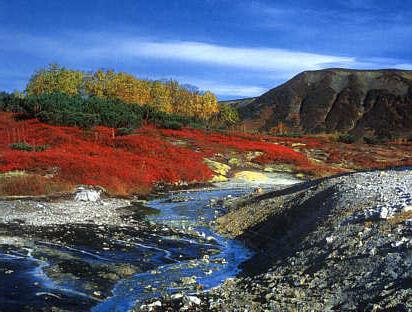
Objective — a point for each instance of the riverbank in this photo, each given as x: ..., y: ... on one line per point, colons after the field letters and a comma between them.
x: 67, y: 255
x: 82, y: 252
x: 340, y: 243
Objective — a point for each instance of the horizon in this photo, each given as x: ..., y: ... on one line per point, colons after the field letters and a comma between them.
x: 234, y: 49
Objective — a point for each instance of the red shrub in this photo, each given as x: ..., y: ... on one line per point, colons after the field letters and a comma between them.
x: 211, y: 143
x: 120, y: 164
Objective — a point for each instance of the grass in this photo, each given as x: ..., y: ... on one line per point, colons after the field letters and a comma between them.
x: 30, y: 185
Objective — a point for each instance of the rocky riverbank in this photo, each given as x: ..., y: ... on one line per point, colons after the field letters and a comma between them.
x: 338, y: 244
x: 68, y: 254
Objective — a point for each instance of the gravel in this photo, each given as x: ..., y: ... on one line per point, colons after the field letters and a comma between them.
x: 43, y: 213
x: 338, y: 244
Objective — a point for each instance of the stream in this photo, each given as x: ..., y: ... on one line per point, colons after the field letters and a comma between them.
x: 98, y: 267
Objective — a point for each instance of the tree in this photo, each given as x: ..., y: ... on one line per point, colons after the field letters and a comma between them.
x: 169, y: 97
x: 55, y: 79
x: 228, y: 115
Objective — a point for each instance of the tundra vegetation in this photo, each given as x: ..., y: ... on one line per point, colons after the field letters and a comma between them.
x: 129, y: 135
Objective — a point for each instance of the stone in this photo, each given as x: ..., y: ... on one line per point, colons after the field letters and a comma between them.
x: 176, y: 296
x: 188, y: 280
x: 192, y: 300
x: 87, y: 195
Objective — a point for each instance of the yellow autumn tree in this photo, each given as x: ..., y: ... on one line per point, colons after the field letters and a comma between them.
x: 161, y: 97
x: 169, y: 96
x: 55, y: 79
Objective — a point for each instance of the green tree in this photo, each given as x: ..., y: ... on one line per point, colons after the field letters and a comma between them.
x: 228, y: 115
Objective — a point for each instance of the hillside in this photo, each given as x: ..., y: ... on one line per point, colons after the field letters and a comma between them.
x: 53, y: 138
x: 238, y: 102
x: 362, y: 102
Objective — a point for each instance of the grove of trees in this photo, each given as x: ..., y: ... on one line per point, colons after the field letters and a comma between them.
x: 166, y: 96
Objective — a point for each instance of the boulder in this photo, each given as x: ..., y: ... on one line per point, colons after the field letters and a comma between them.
x: 87, y: 195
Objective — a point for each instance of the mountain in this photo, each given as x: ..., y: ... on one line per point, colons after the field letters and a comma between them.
x: 238, y: 102
x: 361, y: 102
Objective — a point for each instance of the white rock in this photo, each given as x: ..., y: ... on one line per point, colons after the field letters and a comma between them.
x: 87, y: 195
x: 176, y: 296
x: 192, y: 300
x: 155, y: 304
x: 210, y: 239
x: 384, y: 213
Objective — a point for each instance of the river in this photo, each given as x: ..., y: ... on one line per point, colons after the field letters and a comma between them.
x: 83, y: 267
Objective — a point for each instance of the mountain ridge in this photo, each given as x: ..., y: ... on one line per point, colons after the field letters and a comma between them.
x: 361, y: 102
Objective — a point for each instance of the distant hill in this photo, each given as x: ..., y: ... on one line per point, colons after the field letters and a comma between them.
x: 239, y: 102
x: 361, y: 102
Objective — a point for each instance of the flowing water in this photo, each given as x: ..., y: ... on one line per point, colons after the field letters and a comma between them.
x: 99, y: 268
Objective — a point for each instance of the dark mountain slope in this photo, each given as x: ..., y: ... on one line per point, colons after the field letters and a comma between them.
x: 358, y: 101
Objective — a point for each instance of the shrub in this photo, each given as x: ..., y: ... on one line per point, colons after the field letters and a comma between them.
x: 166, y: 96
x: 289, y: 135
x: 227, y: 116
x: 171, y: 124
x: 377, y: 139
x: 136, y: 161
x: 31, y: 185
x: 10, y: 102
x: 370, y: 140
x: 65, y: 110
x: 346, y: 138
x: 124, y: 131
x: 23, y: 146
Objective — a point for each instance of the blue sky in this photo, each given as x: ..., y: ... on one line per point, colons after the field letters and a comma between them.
x: 233, y: 48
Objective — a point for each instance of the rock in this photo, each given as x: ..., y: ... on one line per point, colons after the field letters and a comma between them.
x: 188, y: 280
x: 217, y: 167
x: 354, y: 233
x: 151, y: 306
x: 258, y: 190
x: 234, y: 161
x: 250, y: 176
x: 97, y: 293
x: 210, y: 239
x: 177, y: 296
x: 192, y: 300
x: 87, y: 195
x: 155, y: 304
x: 219, y: 178
x: 179, y: 199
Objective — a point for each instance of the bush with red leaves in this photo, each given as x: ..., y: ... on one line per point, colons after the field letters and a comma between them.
x: 210, y: 143
x: 123, y: 165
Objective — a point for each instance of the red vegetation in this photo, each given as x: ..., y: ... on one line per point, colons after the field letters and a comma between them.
x: 134, y: 163
x: 211, y: 143
x: 121, y: 164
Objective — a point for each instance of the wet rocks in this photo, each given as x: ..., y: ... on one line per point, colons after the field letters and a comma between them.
x: 342, y: 243
x: 188, y: 280
x: 191, y: 301
x: 179, y: 199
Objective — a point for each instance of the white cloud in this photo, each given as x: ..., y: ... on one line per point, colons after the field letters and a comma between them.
x: 403, y: 66
x: 265, y: 59
x: 261, y: 63
x: 102, y: 46
x: 223, y: 89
